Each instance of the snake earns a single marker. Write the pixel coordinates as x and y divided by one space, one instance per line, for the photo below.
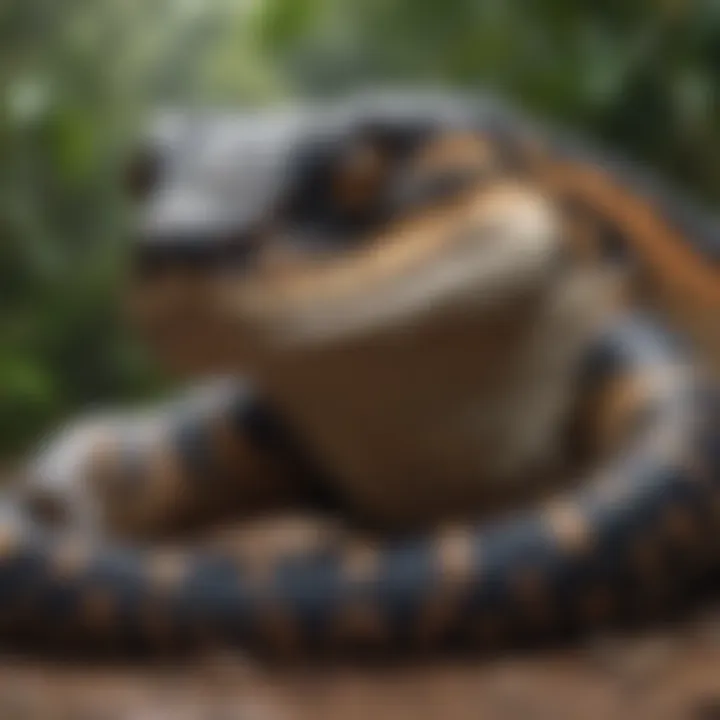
355 257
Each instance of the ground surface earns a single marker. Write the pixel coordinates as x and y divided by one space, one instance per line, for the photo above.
667 674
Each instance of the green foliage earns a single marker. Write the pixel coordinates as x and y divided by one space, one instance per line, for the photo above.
77 76
74 77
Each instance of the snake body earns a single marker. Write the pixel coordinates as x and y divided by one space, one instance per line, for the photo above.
637 535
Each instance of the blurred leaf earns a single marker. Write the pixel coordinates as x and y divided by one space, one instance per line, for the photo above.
78 76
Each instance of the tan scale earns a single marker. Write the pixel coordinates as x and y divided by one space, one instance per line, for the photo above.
457 564
361 619
10 540
164 494
569 527
456 152
613 416
360 562
103 457
72 557
167 570
265 479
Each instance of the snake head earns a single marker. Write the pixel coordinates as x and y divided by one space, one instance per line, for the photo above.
304 226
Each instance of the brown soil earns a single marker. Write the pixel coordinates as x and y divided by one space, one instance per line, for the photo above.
667 674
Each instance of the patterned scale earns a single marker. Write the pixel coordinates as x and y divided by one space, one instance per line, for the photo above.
636 536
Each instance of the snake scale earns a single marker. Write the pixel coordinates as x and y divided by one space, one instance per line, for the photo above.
370 194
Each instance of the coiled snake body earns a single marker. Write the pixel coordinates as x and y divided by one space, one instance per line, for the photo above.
364 197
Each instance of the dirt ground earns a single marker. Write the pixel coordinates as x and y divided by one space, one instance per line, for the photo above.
666 674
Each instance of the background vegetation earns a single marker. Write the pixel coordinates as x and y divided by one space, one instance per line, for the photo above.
77 76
